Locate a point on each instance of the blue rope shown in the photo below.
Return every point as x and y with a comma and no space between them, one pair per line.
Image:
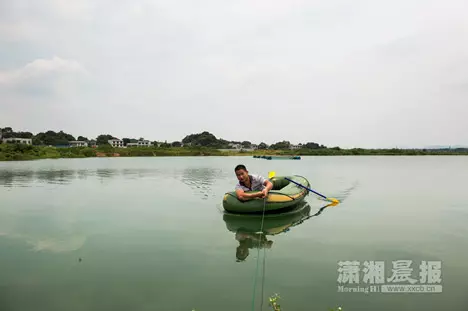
258,256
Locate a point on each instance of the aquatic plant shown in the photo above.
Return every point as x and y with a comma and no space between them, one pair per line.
273,302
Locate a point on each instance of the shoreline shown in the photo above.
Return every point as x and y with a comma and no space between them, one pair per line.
11,152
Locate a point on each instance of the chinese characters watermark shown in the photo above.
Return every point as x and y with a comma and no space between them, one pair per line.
401,278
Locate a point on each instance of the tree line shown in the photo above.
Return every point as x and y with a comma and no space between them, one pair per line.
207,139
203,139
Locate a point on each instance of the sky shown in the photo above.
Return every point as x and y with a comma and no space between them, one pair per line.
369,74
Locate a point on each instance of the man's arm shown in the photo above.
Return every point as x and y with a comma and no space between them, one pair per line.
241,195
268,185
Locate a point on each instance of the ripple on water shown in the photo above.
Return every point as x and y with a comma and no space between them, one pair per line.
201,180
17,178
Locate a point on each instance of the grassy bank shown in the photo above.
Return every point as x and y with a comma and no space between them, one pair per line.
16,152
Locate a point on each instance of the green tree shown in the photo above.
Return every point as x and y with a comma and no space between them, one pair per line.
223,144
23,134
82,138
176,144
7,132
281,145
129,140
311,145
52,138
126,141
262,145
204,139
246,144
103,139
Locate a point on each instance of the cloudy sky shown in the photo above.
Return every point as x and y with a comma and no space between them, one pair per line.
341,73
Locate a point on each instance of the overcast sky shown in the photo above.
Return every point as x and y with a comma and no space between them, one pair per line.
340,73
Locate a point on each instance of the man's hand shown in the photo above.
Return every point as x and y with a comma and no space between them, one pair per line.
264,193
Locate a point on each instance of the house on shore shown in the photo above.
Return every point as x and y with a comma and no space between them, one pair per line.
78,143
144,143
295,147
235,146
14,140
116,143
140,143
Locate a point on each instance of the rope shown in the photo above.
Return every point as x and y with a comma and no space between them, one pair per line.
258,256
263,277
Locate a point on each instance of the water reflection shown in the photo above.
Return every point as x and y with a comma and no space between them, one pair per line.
56,176
18,177
56,242
106,172
83,174
24,178
201,180
135,173
248,228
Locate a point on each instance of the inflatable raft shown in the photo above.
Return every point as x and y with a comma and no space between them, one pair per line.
283,195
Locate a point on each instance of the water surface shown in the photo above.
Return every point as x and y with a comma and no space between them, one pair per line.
150,233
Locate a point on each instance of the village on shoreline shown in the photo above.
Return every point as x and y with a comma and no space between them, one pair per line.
49,145
203,139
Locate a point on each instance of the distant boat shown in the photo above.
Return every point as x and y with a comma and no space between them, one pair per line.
273,157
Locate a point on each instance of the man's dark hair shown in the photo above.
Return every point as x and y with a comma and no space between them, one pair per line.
240,167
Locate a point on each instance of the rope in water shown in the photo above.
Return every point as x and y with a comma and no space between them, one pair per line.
258,256
263,277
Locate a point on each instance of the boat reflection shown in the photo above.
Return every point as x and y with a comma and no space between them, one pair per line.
250,233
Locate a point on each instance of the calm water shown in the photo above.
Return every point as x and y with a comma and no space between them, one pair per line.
150,234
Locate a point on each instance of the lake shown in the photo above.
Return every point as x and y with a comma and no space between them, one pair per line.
150,234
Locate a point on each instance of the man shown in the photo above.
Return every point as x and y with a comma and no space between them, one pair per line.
250,183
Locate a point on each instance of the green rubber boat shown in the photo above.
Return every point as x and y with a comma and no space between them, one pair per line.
283,195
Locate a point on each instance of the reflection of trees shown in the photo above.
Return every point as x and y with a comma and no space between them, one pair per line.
24,177
56,176
18,178
15,177
83,174
106,172
7,178
140,172
200,179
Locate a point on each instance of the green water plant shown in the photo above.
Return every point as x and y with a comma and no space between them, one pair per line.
274,302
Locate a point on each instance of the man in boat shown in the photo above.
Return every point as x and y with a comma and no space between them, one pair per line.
251,182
